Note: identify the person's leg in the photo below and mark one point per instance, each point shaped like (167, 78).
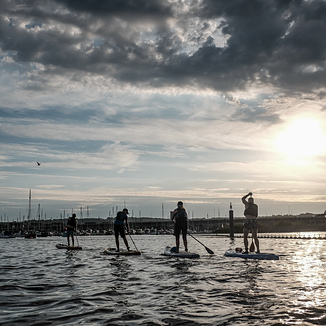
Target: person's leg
(72, 239)
(185, 242)
(126, 242)
(245, 238)
(177, 231)
(177, 242)
(255, 236)
(117, 243)
(68, 236)
(116, 234)
(123, 235)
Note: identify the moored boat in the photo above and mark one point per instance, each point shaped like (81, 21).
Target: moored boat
(30, 235)
(7, 235)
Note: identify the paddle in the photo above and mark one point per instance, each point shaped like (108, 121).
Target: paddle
(207, 249)
(77, 239)
(132, 241)
(75, 231)
(252, 246)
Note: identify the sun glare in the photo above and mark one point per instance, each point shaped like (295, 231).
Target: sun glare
(304, 138)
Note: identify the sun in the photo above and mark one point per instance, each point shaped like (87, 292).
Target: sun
(303, 138)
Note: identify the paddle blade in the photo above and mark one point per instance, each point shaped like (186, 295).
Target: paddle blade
(252, 247)
(209, 251)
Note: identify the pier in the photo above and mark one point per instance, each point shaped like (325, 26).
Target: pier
(307, 236)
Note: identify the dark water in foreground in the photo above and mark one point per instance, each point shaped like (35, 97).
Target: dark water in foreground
(42, 285)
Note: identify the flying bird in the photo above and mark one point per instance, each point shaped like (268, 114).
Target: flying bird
(38, 163)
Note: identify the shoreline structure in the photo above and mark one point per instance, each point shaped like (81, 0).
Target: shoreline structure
(219, 225)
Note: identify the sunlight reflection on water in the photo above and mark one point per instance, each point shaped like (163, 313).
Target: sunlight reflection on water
(42, 284)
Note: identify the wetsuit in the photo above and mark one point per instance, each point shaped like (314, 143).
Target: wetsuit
(181, 222)
(251, 223)
(71, 225)
(119, 224)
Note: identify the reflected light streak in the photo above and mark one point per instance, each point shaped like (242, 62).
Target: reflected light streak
(310, 273)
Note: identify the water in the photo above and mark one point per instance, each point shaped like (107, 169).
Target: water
(42, 285)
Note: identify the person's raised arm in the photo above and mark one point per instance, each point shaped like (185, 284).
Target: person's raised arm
(245, 197)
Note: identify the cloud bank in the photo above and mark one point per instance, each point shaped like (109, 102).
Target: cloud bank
(133, 95)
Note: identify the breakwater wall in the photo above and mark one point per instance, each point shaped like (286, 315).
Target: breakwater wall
(272, 224)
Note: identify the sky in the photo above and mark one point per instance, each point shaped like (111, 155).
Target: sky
(145, 103)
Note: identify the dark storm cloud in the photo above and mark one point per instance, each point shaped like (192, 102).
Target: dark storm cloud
(279, 43)
(111, 7)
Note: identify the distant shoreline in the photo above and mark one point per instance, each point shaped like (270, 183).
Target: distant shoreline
(216, 225)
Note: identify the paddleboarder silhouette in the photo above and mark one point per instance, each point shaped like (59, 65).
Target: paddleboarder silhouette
(71, 228)
(180, 220)
(250, 224)
(121, 221)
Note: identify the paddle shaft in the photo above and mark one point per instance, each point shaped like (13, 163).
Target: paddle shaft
(132, 241)
(252, 246)
(207, 249)
(77, 239)
(75, 236)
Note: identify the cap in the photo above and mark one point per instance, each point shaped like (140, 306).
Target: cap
(125, 210)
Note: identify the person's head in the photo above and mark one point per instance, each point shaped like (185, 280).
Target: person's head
(180, 204)
(251, 200)
(125, 210)
(74, 215)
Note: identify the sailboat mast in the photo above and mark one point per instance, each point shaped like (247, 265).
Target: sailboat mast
(39, 216)
(29, 208)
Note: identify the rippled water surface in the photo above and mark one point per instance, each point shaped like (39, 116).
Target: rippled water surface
(43, 285)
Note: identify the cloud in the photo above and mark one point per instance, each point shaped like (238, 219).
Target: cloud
(158, 44)
(157, 99)
(120, 8)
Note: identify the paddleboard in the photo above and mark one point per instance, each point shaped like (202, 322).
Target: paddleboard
(112, 251)
(251, 255)
(181, 254)
(64, 246)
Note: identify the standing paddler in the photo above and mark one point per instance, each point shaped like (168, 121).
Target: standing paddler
(71, 228)
(121, 221)
(250, 224)
(180, 219)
